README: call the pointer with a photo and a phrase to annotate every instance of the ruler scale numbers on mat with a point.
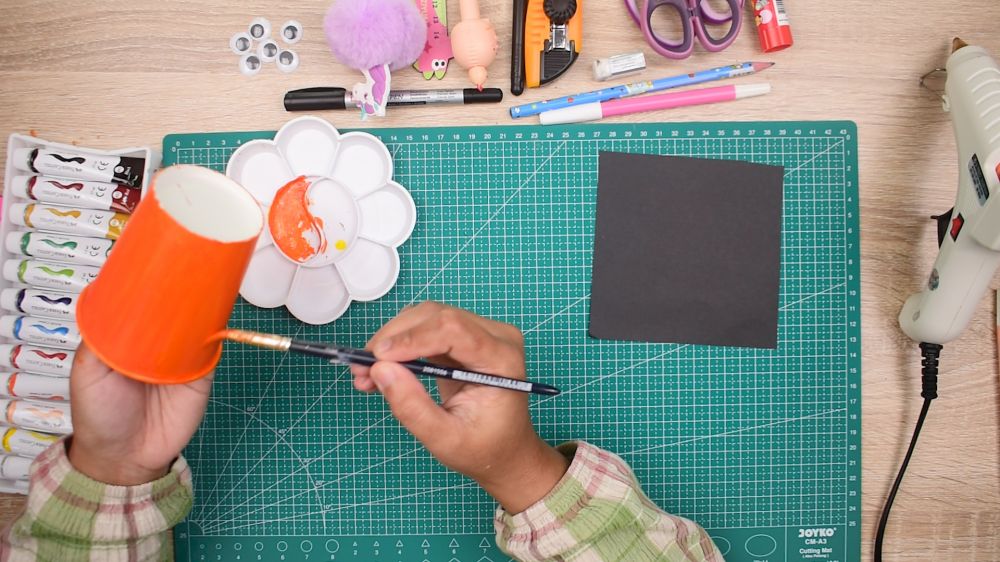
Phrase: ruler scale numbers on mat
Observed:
(762, 447)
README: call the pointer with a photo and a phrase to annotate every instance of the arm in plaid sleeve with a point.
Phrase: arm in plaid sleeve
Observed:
(599, 513)
(70, 517)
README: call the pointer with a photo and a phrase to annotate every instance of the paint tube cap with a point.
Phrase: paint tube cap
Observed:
(16, 215)
(13, 243)
(9, 298)
(10, 270)
(7, 326)
(23, 158)
(19, 186)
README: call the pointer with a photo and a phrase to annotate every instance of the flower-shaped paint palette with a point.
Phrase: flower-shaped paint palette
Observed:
(334, 219)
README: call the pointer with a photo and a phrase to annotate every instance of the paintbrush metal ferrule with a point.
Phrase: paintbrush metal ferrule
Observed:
(259, 339)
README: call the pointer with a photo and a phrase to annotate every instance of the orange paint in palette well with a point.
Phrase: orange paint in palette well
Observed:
(295, 231)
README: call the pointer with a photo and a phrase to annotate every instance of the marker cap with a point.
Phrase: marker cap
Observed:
(750, 90)
(7, 326)
(19, 186)
(316, 99)
(572, 114)
(486, 95)
(23, 157)
(17, 214)
(10, 269)
(13, 242)
(9, 298)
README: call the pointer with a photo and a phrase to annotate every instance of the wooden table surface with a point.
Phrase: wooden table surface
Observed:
(117, 73)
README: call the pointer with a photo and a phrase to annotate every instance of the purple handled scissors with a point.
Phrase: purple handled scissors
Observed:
(696, 16)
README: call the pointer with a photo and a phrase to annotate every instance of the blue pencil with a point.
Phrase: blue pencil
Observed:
(637, 88)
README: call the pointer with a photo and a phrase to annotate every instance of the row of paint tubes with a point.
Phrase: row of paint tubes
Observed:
(68, 227)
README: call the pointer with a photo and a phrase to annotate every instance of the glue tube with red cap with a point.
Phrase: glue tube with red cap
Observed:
(772, 25)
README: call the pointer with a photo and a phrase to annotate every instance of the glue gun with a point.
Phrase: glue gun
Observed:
(968, 234)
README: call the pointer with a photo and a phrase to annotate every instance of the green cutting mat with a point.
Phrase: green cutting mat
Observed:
(761, 447)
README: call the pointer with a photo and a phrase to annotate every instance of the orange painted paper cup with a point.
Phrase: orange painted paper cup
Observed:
(170, 283)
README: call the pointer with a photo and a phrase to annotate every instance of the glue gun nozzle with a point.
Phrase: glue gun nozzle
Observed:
(957, 44)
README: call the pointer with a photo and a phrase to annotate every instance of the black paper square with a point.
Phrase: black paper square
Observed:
(687, 250)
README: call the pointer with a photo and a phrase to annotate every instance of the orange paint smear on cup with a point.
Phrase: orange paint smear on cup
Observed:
(296, 232)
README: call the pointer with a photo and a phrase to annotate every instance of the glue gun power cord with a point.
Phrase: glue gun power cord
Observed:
(929, 375)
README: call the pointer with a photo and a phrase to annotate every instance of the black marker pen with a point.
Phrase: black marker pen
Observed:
(315, 99)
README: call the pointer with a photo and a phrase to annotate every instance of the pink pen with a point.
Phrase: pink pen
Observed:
(626, 106)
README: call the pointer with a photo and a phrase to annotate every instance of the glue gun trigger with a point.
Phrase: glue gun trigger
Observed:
(943, 224)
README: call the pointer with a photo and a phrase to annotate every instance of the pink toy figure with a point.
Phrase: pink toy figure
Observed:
(375, 36)
(474, 42)
(433, 62)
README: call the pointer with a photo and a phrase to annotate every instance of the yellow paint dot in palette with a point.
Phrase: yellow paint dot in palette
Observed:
(340, 245)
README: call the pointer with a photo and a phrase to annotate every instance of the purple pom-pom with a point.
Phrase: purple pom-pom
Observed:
(367, 33)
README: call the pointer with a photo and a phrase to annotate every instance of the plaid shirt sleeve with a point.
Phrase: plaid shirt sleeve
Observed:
(70, 518)
(598, 513)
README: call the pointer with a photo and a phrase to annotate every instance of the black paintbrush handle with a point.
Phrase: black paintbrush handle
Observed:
(367, 359)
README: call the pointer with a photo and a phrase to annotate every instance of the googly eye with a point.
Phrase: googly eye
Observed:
(291, 32)
(241, 43)
(268, 50)
(259, 28)
(250, 64)
(287, 61)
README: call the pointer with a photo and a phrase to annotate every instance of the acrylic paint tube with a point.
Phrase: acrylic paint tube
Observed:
(14, 467)
(24, 442)
(61, 277)
(40, 331)
(60, 247)
(77, 193)
(14, 486)
(41, 360)
(83, 222)
(38, 387)
(125, 170)
(50, 417)
(33, 302)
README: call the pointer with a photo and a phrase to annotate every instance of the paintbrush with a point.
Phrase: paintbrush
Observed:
(351, 356)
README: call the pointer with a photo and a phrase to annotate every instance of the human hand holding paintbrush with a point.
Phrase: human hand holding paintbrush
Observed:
(480, 431)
